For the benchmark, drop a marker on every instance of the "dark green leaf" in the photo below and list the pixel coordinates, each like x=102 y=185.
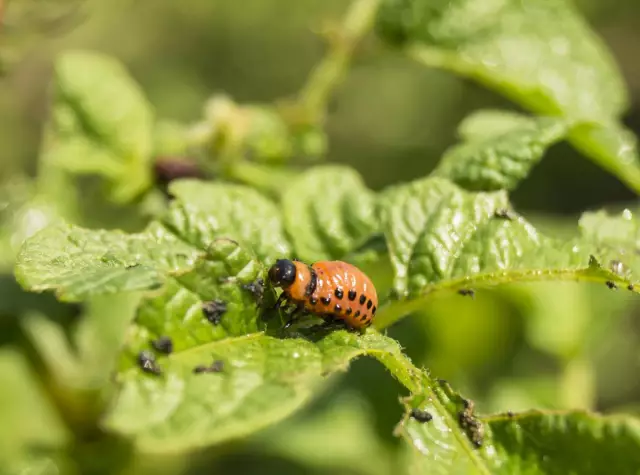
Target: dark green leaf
x=101 y=124
x=328 y=212
x=500 y=150
x=541 y=55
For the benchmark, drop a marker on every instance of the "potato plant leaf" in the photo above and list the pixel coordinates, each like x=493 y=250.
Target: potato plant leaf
x=499 y=151
x=541 y=55
x=328 y=211
x=441 y=236
x=531 y=442
x=261 y=380
x=77 y=262
x=101 y=124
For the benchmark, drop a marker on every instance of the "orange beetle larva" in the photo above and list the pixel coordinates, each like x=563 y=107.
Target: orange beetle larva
x=333 y=290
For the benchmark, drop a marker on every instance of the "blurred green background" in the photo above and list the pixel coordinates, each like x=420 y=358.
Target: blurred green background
x=512 y=348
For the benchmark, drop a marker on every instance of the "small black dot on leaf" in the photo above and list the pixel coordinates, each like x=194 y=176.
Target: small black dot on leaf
x=164 y=344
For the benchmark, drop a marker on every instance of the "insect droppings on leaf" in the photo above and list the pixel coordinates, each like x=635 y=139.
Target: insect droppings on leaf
x=256 y=289
x=469 y=292
x=213 y=310
x=510 y=414
x=147 y=362
x=421 y=416
x=612 y=285
x=630 y=287
x=216 y=367
x=164 y=344
x=472 y=426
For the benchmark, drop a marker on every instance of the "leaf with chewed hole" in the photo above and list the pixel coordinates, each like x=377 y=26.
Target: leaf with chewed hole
x=499 y=152
x=261 y=380
x=328 y=211
x=441 y=236
x=101 y=124
x=458 y=441
x=540 y=54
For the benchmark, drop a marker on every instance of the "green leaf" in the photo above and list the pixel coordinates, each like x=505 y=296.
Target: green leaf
x=29 y=420
x=532 y=442
x=264 y=380
x=77 y=262
x=500 y=151
x=543 y=56
x=440 y=236
x=328 y=212
x=224 y=210
x=101 y=124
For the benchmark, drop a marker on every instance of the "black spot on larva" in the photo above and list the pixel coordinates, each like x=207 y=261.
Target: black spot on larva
x=368 y=324
x=163 y=345
x=147 y=362
x=373 y=312
x=421 y=416
x=213 y=310
x=338 y=308
x=357 y=314
x=363 y=317
x=612 y=285
x=352 y=294
x=349 y=310
x=313 y=282
x=369 y=303
x=339 y=294
x=313 y=300
x=325 y=300
x=363 y=299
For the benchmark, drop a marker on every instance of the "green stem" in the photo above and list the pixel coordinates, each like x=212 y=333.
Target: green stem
x=329 y=72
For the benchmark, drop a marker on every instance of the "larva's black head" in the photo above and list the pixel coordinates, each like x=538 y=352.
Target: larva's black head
x=282 y=273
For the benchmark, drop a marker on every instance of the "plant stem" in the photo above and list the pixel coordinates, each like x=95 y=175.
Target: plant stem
x=329 y=72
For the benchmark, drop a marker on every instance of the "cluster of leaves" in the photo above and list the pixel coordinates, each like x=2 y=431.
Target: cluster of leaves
x=213 y=240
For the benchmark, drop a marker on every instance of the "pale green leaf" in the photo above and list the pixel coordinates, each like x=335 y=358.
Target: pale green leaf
x=540 y=54
x=328 y=211
x=101 y=124
x=499 y=151
x=77 y=262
